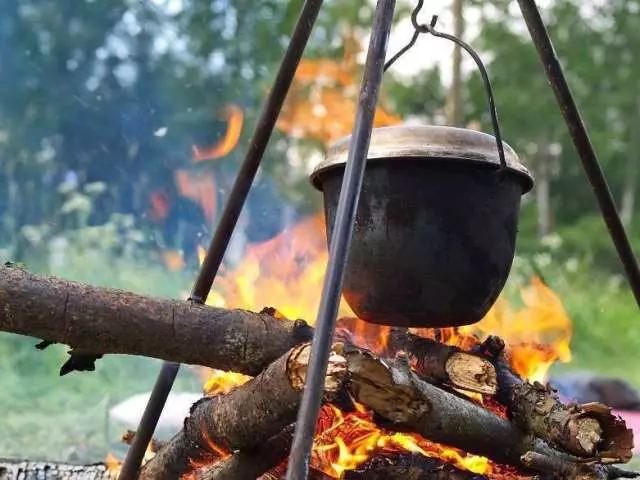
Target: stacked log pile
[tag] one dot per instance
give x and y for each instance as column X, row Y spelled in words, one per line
column 417, row 385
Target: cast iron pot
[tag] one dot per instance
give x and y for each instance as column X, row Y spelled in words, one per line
column 435, row 228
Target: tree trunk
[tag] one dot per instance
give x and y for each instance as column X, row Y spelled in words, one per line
column 454, row 100
column 543, row 190
column 103, row 321
column 627, row 206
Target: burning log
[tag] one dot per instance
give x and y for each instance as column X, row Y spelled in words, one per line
column 29, row 470
column 394, row 391
column 559, row 467
column 439, row 363
column 583, row 430
column 408, row 466
column 97, row 320
column 251, row 463
column 102, row 321
column 244, row 417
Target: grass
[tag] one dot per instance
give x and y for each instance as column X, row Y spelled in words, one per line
column 65, row 418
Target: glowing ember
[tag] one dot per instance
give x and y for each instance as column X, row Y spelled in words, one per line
column 287, row 272
column 348, row 440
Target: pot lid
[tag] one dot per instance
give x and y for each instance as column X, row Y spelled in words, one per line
column 430, row 142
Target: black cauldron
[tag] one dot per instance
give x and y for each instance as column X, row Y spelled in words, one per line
column 435, row 228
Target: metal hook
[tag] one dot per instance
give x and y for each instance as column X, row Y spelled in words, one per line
column 424, row 28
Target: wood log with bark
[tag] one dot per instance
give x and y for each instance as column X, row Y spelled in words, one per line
column 94, row 320
column 245, row 417
column 583, row 430
column 446, row 364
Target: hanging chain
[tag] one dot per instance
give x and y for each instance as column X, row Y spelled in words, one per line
column 431, row 29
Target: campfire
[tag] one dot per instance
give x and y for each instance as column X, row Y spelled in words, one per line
column 466, row 402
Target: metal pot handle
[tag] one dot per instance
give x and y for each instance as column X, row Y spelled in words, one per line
column 424, row 28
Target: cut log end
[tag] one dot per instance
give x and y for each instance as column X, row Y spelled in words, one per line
column 471, row 372
column 298, row 363
column 589, row 434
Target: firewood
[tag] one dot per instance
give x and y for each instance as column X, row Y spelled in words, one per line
column 588, row 430
column 408, row 466
column 245, row 417
column 30, row 470
column 393, row 391
column 249, row 464
column 107, row 321
column 439, row 363
column 560, row 468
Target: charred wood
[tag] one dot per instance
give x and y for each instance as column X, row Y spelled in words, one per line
column 243, row 418
column 409, row 466
column 30, row 470
column 94, row 320
column 250, row 464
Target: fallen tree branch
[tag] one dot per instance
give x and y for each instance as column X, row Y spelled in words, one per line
column 243, row 418
column 107, row 321
column 408, row 466
column 589, row 430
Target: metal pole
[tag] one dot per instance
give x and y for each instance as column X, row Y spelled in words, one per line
column 582, row 142
column 340, row 243
column 227, row 223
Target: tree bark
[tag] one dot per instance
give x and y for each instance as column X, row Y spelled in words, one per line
column 29, row 470
column 243, row 418
column 107, row 321
column 409, row 466
column 582, row 430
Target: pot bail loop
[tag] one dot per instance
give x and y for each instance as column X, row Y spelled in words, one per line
column 420, row 28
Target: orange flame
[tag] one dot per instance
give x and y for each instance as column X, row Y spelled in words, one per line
column 287, row 272
column 235, row 119
column 348, row 440
column 324, row 96
column 200, row 187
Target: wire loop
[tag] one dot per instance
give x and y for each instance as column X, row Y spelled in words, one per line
column 422, row 28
